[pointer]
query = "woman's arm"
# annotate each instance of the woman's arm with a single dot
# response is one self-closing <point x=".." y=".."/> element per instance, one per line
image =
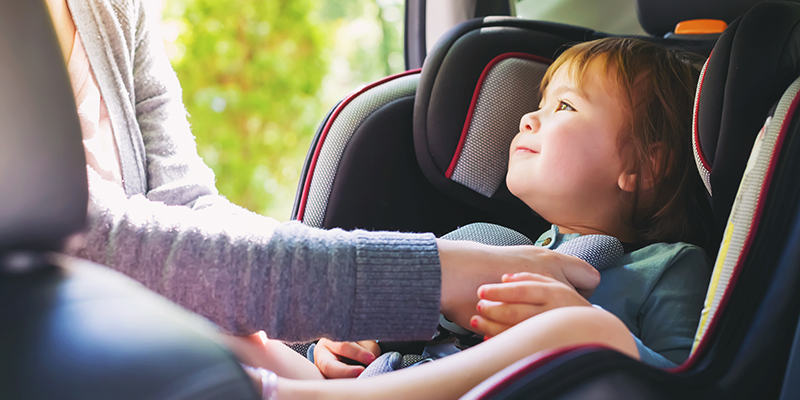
<point x="247" y="272"/>
<point x="244" y="271"/>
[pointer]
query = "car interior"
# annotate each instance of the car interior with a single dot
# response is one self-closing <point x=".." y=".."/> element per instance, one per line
<point x="421" y="151"/>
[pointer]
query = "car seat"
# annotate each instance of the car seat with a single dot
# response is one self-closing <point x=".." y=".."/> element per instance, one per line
<point x="372" y="164"/>
<point x="71" y="329"/>
<point x="746" y="343"/>
<point x="469" y="77"/>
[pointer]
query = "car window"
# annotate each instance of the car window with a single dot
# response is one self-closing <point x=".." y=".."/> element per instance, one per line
<point x="610" y="16"/>
<point x="259" y="75"/>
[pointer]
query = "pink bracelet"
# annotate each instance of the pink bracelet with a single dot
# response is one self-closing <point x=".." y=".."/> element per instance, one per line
<point x="269" y="382"/>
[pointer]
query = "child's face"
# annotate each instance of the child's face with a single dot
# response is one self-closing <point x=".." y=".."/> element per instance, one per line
<point x="565" y="162"/>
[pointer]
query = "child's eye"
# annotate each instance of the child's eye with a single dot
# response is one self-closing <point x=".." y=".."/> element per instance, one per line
<point x="563" y="106"/>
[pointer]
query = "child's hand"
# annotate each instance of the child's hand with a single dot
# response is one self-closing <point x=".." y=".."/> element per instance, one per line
<point x="467" y="265"/>
<point x="331" y="357"/>
<point x="518" y="298"/>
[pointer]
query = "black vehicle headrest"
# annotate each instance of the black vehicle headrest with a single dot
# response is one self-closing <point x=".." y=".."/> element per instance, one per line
<point x="43" y="194"/>
<point x="752" y="64"/>
<point x="476" y="84"/>
<point x="659" y="17"/>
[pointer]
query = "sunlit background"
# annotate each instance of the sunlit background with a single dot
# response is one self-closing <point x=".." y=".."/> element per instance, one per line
<point x="259" y="75"/>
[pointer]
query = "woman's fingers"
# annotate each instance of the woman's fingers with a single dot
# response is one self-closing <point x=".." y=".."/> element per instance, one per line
<point x="531" y="292"/>
<point x="507" y="313"/>
<point x="372" y="347"/>
<point x="351" y="350"/>
<point x="580" y="275"/>
<point x="330" y="365"/>
<point x="526" y="276"/>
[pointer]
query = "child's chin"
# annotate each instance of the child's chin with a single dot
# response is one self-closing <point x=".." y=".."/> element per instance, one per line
<point x="515" y="189"/>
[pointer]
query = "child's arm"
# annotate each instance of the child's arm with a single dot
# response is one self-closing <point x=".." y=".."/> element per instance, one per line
<point x="330" y="357"/>
<point x="452" y="376"/>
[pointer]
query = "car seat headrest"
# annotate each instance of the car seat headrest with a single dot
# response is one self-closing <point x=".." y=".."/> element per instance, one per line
<point x="476" y="84"/>
<point x="659" y="17"/>
<point x="752" y="64"/>
<point x="504" y="93"/>
<point x="43" y="194"/>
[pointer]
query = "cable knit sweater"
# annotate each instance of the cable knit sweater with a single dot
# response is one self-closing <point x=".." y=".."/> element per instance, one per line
<point x="173" y="232"/>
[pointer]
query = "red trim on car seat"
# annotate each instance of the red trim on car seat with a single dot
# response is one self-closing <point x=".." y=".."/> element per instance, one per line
<point x="538" y="361"/>
<point x="309" y="175"/>
<point x="695" y="130"/>
<point x="474" y="101"/>
<point x="705" y="341"/>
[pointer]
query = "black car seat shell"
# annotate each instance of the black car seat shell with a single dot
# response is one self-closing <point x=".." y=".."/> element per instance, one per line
<point x="71" y="329"/>
<point x="660" y="17"/>
<point x="756" y="61"/>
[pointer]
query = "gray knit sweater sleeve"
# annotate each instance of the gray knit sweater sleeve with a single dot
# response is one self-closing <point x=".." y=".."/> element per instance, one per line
<point x="241" y="270"/>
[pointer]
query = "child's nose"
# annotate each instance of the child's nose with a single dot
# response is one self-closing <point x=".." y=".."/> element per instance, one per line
<point x="529" y="123"/>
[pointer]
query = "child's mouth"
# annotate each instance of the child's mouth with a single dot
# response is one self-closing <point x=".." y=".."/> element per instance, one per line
<point x="523" y="149"/>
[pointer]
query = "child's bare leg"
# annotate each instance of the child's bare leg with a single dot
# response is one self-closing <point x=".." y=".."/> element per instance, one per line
<point x="454" y="375"/>
<point x="258" y="351"/>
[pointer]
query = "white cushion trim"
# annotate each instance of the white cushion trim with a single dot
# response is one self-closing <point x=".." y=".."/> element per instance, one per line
<point x="702" y="164"/>
<point x="745" y="216"/>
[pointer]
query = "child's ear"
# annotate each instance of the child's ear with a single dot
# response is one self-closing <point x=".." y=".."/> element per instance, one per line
<point x="627" y="181"/>
<point x="645" y="175"/>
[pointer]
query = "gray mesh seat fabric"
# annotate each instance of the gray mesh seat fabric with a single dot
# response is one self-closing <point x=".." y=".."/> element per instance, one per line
<point x="492" y="122"/>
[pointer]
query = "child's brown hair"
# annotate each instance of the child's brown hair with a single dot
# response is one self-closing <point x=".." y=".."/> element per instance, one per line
<point x="657" y="86"/>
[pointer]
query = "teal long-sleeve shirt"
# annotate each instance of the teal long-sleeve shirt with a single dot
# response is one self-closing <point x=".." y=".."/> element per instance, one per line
<point x="658" y="292"/>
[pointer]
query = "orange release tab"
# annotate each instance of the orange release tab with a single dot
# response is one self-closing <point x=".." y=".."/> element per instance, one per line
<point x="700" y="26"/>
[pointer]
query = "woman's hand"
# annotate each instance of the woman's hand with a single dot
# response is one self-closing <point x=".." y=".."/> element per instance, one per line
<point x="468" y="265"/>
<point x="330" y="357"/>
<point x="518" y="298"/>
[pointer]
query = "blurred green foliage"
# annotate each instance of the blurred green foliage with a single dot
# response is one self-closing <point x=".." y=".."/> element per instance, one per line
<point x="259" y="75"/>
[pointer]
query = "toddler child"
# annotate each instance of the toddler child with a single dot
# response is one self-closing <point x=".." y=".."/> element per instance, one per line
<point x="608" y="152"/>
